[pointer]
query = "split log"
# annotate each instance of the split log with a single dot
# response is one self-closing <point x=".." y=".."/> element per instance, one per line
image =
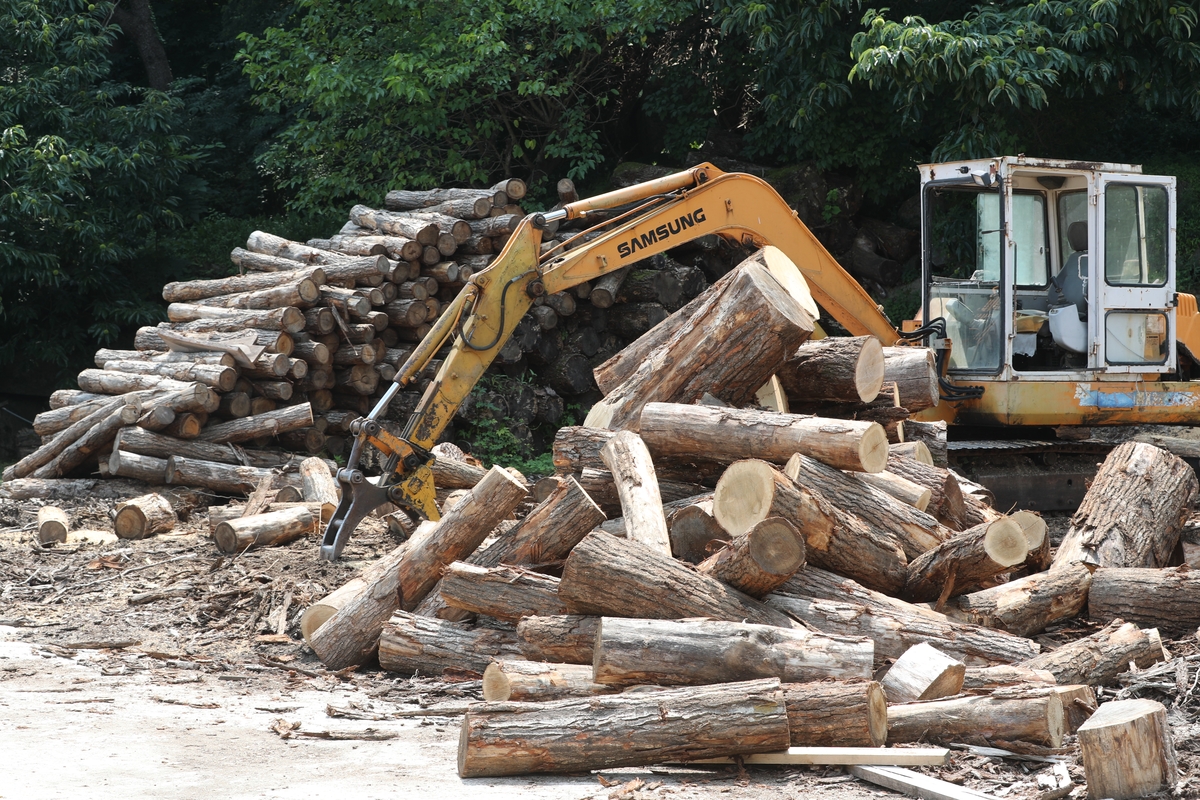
<point x="923" y="673"/>
<point x="686" y="652"/>
<point x="730" y="346"/>
<point x="1133" y="512"/>
<point x="834" y="369"/>
<point x="53" y="525"/>
<point x="539" y="681"/>
<point x="415" y="645"/>
<point x="836" y="714"/>
<point x="916" y="532"/>
<point x="914" y="371"/>
<point x="134" y="465"/>
<point x="506" y="593"/>
<point x="458" y="534"/>
<point x="633" y="473"/>
<point x="1097" y="659"/>
<point x="143" y="516"/>
<point x="1168" y="599"/>
<point x="760" y="560"/>
<point x="261" y="530"/>
<point x="606" y="575"/>
<point x="269" y="423"/>
<point x="676" y="431"/>
<point x="594" y="732"/>
<point x="147" y="443"/>
<point x="187" y="291"/>
<point x="1128" y="751"/>
<point x="834" y="604"/>
<point x="568" y="638"/>
<point x="1027" y="606"/>
<point x="966" y="560"/>
<point x="1030" y="715"/>
<point x="1079" y="703"/>
<point x="751" y="491"/>
<point x="287" y="318"/>
<point x="977" y="679"/>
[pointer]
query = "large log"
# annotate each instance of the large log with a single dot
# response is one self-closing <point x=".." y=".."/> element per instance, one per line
<point x="977" y="679"/>
<point x="539" y="681"/>
<point x="143" y="516"/>
<point x="221" y="378"/>
<point x="751" y="491"/>
<point x="288" y="318"/>
<point x="1025" y="715"/>
<point x="577" y="448"/>
<point x="839" y="605"/>
<point x="102" y="381"/>
<point x="834" y="369"/>
<point x="411" y="644"/>
<point x="695" y="533"/>
<point x="683" y="652"/>
<point x="730" y="346"/>
<point x="629" y="461"/>
<point x="1097" y="659"/>
<point x="914" y="371"/>
<point x="930" y="434"/>
<point x="610" y="576"/>
<point x="966" y="560"/>
<point x="187" y="291"/>
<point x="677" y="431"/>
<point x="595" y="732"/>
<point x="1168" y="599"/>
<point x="1026" y="606"/>
<point x="1128" y="751"/>
<point x="568" y="638"/>
<point x="270" y="423"/>
<point x="261" y="530"/>
<point x="915" y="531"/>
<point x="906" y="491"/>
<point x="1134" y="511"/>
<point x="505" y="593"/>
<point x="836" y="714"/>
<point x="758" y="561"/>
<point x="401" y="200"/>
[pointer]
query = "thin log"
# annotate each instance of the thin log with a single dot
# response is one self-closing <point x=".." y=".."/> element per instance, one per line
<point x="633" y="472"/>
<point x="262" y="530"/>
<point x="53" y="525"/>
<point x="134" y="465"/>
<point x="270" y="423"/>
<point x="187" y="291"/>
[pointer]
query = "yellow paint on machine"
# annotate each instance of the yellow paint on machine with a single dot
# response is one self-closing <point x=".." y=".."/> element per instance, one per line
<point x="1075" y="403"/>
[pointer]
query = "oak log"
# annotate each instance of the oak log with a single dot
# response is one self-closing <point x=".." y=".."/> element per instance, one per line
<point x="697" y="651"/>
<point x="1027" y="606"/>
<point x="751" y="491"/>
<point x="148" y="443"/>
<point x="91" y="441"/>
<point x="945" y="498"/>
<point x="906" y="491"/>
<point x="759" y="560"/>
<point x="213" y="475"/>
<point x="1097" y="659"/>
<point x="846" y="369"/>
<point x="594" y="732"/>
<point x="695" y="533"/>
<point x="287" y="318"/>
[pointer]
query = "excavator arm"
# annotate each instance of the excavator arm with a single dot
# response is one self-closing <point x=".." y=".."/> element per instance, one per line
<point x="665" y="213"/>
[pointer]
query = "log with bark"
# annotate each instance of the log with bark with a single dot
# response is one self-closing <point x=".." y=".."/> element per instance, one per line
<point x="751" y="491"/>
<point x="966" y="560"/>
<point x="834" y="604"/>
<point x="539" y="681"/>
<point x="53" y="525"/>
<point x="567" y="638"/>
<point x="979" y="679"/>
<point x="945" y="499"/>
<point x="262" y="530"/>
<point x="610" y="576"/>
<point x="1027" y="606"/>
<point x="287" y="318"/>
<point x="146" y="443"/>
<point x="1097" y="659"/>
<point x="678" y="652"/>
<point x="923" y="673"/>
<point x="216" y="332"/>
<point x="1128" y="751"/>
<point x="1168" y="599"/>
<point x="1133" y="513"/>
<point x="695" y="533"/>
<point x="271" y="423"/>
<point x="834" y="369"/>
<point x="1079" y="703"/>
<point x="914" y="371"/>
<point x="401" y="200"/>
<point x="300" y="292"/>
<point x="906" y="491"/>
<point x="187" y="291"/>
<point x="143" y="516"/>
<point x="217" y="376"/>
<point x="1033" y="715"/>
<point x="594" y="733"/>
<point x="730" y="346"/>
<point x="759" y="560"/>
<point x="836" y="714"/>
<point x="633" y="473"/>
<point x="506" y="593"/>
<point x="49" y="451"/>
<point x="219" y="477"/>
<point x="134" y="465"/>
<point x="416" y="645"/>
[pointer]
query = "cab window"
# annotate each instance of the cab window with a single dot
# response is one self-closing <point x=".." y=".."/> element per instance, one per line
<point x="1135" y="235"/>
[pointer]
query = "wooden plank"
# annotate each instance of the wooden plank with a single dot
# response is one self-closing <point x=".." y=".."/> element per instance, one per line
<point x="908" y="756"/>
<point x="914" y="784"/>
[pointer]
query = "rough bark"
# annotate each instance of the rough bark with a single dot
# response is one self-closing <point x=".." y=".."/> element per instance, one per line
<point x="262" y="530"/>
<point x="188" y="291"/>
<point x="760" y="560"/>
<point x="1029" y="715"/>
<point x="143" y="516"/>
<point x="139" y="467"/>
<point x="414" y="645"/>
<point x="1027" y="606"/>
<point x="1128" y="751"/>
<point x="228" y="478"/>
<point x="147" y="443"/>
<point x="270" y="423"/>
<point x="966" y="560"/>
<point x="539" y="681"/>
<point x="946" y="502"/>
<point x="977" y="679"/>
<point x="568" y="638"/>
<point x="695" y="533"/>
<point x="834" y="369"/>
<point x="1168" y="599"/>
<point x="506" y="593"/>
<point x="300" y="293"/>
<point x="1097" y="659"/>
<point x="836" y="714"/>
<point x="914" y="371"/>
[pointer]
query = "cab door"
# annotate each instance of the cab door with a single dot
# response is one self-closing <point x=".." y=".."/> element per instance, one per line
<point x="1132" y="273"/>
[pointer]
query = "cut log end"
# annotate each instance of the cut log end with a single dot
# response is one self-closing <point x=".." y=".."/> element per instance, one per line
<point x="1005" y="543"/>
<point x="873" y="449"/>
<point x="743" y="495"/>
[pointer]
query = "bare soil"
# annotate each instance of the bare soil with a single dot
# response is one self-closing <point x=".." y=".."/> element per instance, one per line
<point x="162" y="669"/>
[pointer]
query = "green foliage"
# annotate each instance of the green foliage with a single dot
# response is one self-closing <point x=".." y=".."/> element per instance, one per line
<point x="89" y="170"/>
<point x="413" y="93"/>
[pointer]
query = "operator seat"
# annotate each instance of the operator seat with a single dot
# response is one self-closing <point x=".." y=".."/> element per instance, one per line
<point x="1068" y="294"/>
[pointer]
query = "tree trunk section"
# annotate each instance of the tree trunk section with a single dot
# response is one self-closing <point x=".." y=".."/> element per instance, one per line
<point x="594" y="733"/>
<point x="143" y="516"/>
<point x="147" y="443"/>
<point x="1128" y="751"/>
<point x="687" y="652"/>
<point x="270" y="423"/>
<point x="133" y="465"/>
<point x="567" y="639"/>
<point x="219" y="477"/>
<point x="834" y="369"/>
<point x="751" y="491"/>
<point x="923" y="673"/>
<point x="946" y="502"/>
<point x="1027" y="606"/>
<point x="317" y="483"/>
<point x="914" y="371"/>
<point x="760" y="560"/>
<point x="53" y="525"/>
<point x="539" y="681"/>
<point x="695" y="533"/>
<point x="676" y="431"/>
<point x="641" y="504"/>
<point x="1097" y="659"/>
<point x="608" y="576"/>
<point x="1031" y="715"/>
<point x="1133" y="512"/>
<point x="414" y="645"/>
<point x="502" y="592"/>
<point x="262" y="530"/>
<point x="187" y="291"/>
<point x="966" y="560"/>
<point x="978" y="679"/>
<point x="835" y="714"/>
<point x="1168" y="599"/>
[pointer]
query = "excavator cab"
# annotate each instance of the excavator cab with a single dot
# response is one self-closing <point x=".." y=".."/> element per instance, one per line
<point x="1050" y="274"/>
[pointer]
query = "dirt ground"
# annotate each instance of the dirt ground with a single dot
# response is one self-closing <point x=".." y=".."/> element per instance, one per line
<point x="162" y="669"/>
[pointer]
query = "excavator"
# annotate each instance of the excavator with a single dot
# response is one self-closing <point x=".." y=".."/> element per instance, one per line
<point x="1028" y="334"/>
